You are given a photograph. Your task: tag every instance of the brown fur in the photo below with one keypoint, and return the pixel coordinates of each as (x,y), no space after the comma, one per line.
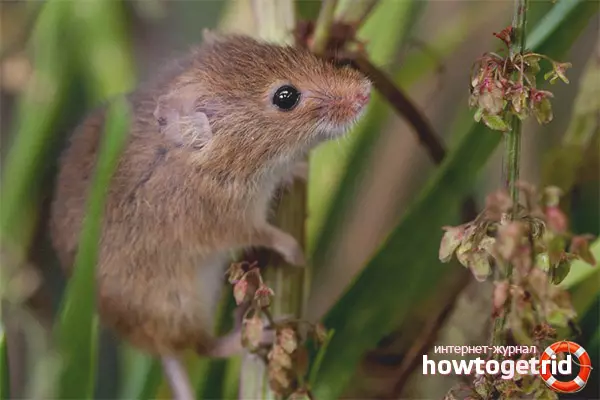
(174,211)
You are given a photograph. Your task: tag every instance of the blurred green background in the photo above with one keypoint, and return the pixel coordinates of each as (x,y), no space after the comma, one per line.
(376,203)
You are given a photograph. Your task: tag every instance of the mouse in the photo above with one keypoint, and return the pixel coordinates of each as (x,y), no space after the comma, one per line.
(210,139)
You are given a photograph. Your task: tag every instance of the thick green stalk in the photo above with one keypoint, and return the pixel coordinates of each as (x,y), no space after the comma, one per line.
(288,283)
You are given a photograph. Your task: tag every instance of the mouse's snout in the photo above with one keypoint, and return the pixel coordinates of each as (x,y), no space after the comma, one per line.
(358,99)
(341,108)
(362,97)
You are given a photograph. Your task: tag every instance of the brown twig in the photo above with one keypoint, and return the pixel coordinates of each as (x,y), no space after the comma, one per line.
(402,104)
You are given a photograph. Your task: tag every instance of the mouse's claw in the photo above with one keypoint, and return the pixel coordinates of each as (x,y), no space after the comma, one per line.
(283,243)
(294,255)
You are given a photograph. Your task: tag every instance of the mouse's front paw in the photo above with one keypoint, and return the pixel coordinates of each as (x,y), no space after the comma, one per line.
(293,253)
(289,248)
(283,243)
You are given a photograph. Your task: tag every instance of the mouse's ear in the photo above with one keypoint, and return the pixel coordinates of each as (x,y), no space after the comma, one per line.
(178,119)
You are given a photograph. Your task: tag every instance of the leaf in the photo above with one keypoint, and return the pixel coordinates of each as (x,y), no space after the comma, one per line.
(100,25)
(495,122)
(450,242)
(543,111)
(141,374)
(561,271)
(4,372)
(374,304)
(76,331)
(580,270)
(316,364)
(40,111)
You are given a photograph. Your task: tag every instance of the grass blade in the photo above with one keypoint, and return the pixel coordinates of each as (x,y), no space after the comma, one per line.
(141,376)
(41,108)
(316,365)
(4,372)
(152,381)
(77,328)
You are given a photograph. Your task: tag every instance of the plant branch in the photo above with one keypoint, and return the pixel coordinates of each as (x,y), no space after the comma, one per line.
(513,151)
(513,137)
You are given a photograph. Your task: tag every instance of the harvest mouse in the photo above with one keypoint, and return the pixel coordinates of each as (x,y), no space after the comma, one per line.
(209,142)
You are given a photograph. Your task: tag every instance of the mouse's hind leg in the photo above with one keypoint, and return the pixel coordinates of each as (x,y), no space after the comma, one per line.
(177,377)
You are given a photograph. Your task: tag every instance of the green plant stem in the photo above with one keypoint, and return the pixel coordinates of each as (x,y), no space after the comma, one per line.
(289,283)
(354,12)
(323,26)
(513,137)
(513,152)
(513,155)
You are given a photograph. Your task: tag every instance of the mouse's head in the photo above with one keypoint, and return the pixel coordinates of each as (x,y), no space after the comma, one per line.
(273,99)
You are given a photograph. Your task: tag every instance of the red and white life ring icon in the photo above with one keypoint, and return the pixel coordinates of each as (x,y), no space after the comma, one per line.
(585,367)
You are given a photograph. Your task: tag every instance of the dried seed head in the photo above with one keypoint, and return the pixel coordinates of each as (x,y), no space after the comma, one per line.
(263,296)
(540,103)
(500,296)
(278,356)
(505,35)
(479,264)
(300,394)
(509,239)
(235,272)
(580,246)
(491,99)
(320,333)
(279,379)
(556,219)
(450,242)
(287,339)
(240,291)
(252,331)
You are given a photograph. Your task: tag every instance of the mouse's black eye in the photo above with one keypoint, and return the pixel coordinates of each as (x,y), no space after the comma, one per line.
(286,97)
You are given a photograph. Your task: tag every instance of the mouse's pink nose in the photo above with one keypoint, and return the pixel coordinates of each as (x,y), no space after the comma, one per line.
(361,99)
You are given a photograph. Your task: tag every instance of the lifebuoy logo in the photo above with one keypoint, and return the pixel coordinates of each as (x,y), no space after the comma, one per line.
(583,360)
(547,366)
